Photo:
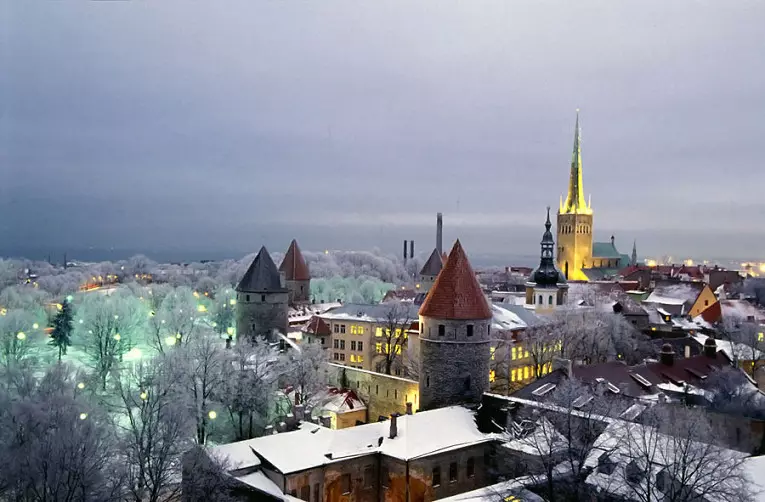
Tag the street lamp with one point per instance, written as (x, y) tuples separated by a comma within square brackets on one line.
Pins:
[(212, 414), (21, 335), (83, 416), (81, 385)]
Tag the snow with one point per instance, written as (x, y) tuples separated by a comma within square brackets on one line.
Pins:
[(261, 482), (663, 300), (418, 435), (504, 320), (235, 456), (544, 440), (755, 469), (741, 309), (742, 351), (341, 366)]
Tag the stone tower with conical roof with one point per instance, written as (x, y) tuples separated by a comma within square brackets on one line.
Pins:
[(296, 275), (575, 220), (546, 288), (261, 300), (455, 337)]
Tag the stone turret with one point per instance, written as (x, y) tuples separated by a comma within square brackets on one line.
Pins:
[(297, 276), (261, 300), (455, 331)]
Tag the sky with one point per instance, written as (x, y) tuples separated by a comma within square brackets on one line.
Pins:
[(209, 128)]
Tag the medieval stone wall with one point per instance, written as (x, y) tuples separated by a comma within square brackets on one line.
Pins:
[(298, 292), (454, 368), (383, 394), (257, 314)]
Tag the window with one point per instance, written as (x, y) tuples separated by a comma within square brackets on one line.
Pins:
[(515, 353), (316, 492), (540, 300), (336, 356), (342, 344), (353, 344), (342, 357), (384, 476), (427, 381), (305, 493), (360, 346), (248, 297), (322, 341), (492, 376), (395, 393), (513, 375), (549, 300), (345, 484), (441, 330), (493, 350), (353, 358), (470, 467), (436, 476), (706, 303), (378, 332), (467, 383), (337, 328), (359, 359), (378, 348), (337, 343), (377, 389), (453, 472), (342, 328), (369, 473), (525, 372), (469, 330), (263, 298)]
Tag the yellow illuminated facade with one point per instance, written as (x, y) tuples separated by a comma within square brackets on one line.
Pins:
[(575, 221)]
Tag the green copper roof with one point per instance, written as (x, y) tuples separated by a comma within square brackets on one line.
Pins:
[(604, 250)]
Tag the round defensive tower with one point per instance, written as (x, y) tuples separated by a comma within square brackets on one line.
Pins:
[(261, 300)]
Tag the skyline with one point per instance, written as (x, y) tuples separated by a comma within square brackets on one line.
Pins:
[(190, 128)]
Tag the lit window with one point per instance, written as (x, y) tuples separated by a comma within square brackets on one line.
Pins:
[(359, 359), (515, 355), (526, 372), (378, 332), (513, 376), (353, 358), (760, 337), (353, 329), (526, 354), (378, 348), (492, 376), (493, 355)]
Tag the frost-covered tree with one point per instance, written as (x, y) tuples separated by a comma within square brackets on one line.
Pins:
[(63, 326), (395, 327), (223, 309), (19, 337), (55, 445), (670, 456), (156, 429), (746, 343), (253, 371), (180, 318), (107, 327), (306, 370), (201, 365)]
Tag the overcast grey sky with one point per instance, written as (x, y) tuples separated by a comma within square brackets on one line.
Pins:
[(218, 126)]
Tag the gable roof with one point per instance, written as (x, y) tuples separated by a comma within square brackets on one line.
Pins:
[(293, 265), (317, 326), (682, 292), (604, 250), (434, 264), (262, 276), (456, 293)]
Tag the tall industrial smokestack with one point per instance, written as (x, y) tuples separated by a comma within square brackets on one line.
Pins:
[(411, 249), (440, 233), (404, 250)]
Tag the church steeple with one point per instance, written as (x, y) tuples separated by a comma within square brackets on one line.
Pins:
[(546, 273), (575, 202), (633, 260)]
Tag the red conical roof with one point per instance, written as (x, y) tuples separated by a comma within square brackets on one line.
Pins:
[(456, 293), (293, 265)]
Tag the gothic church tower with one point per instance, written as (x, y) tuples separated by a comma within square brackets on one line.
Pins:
[(575, 221)]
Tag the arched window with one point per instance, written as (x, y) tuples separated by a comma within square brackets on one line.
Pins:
[(541, 302), (549, 300)]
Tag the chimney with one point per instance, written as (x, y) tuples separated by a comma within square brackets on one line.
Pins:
[(282, 279), (440, 233), (404, 250), (408, 408), (393, 426), (612, 240), (710, 348), (299, 412), (411, 249), (687, 351), (667, 355)]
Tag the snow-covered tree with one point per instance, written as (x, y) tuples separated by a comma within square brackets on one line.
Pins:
[(223, 308), (63, 326), (394, 335), (54, 445), (307, 370), (253, 371), (747, 344), (180, 318), (107, 327), (19, 337), (156, 429)]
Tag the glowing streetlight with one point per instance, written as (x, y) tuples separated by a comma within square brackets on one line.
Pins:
[(117, 337), (21, 335), (81, 321), (232, 301), (35, 326), (116, 316), (230, 330), (144, 395), (212, 414), (81, 385), (69, 298), (83, 416), (170, 340), (178, 336)]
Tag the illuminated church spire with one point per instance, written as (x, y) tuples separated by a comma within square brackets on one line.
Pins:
[(575, 203)]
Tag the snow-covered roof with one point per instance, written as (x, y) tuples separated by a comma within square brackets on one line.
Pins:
[(235, 456), (261, 482), (418, 435), (372, 313), (305, 312), (755, 469), (741, 309), (543, 440), (663, 300), (734, 351), (505, 320)]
